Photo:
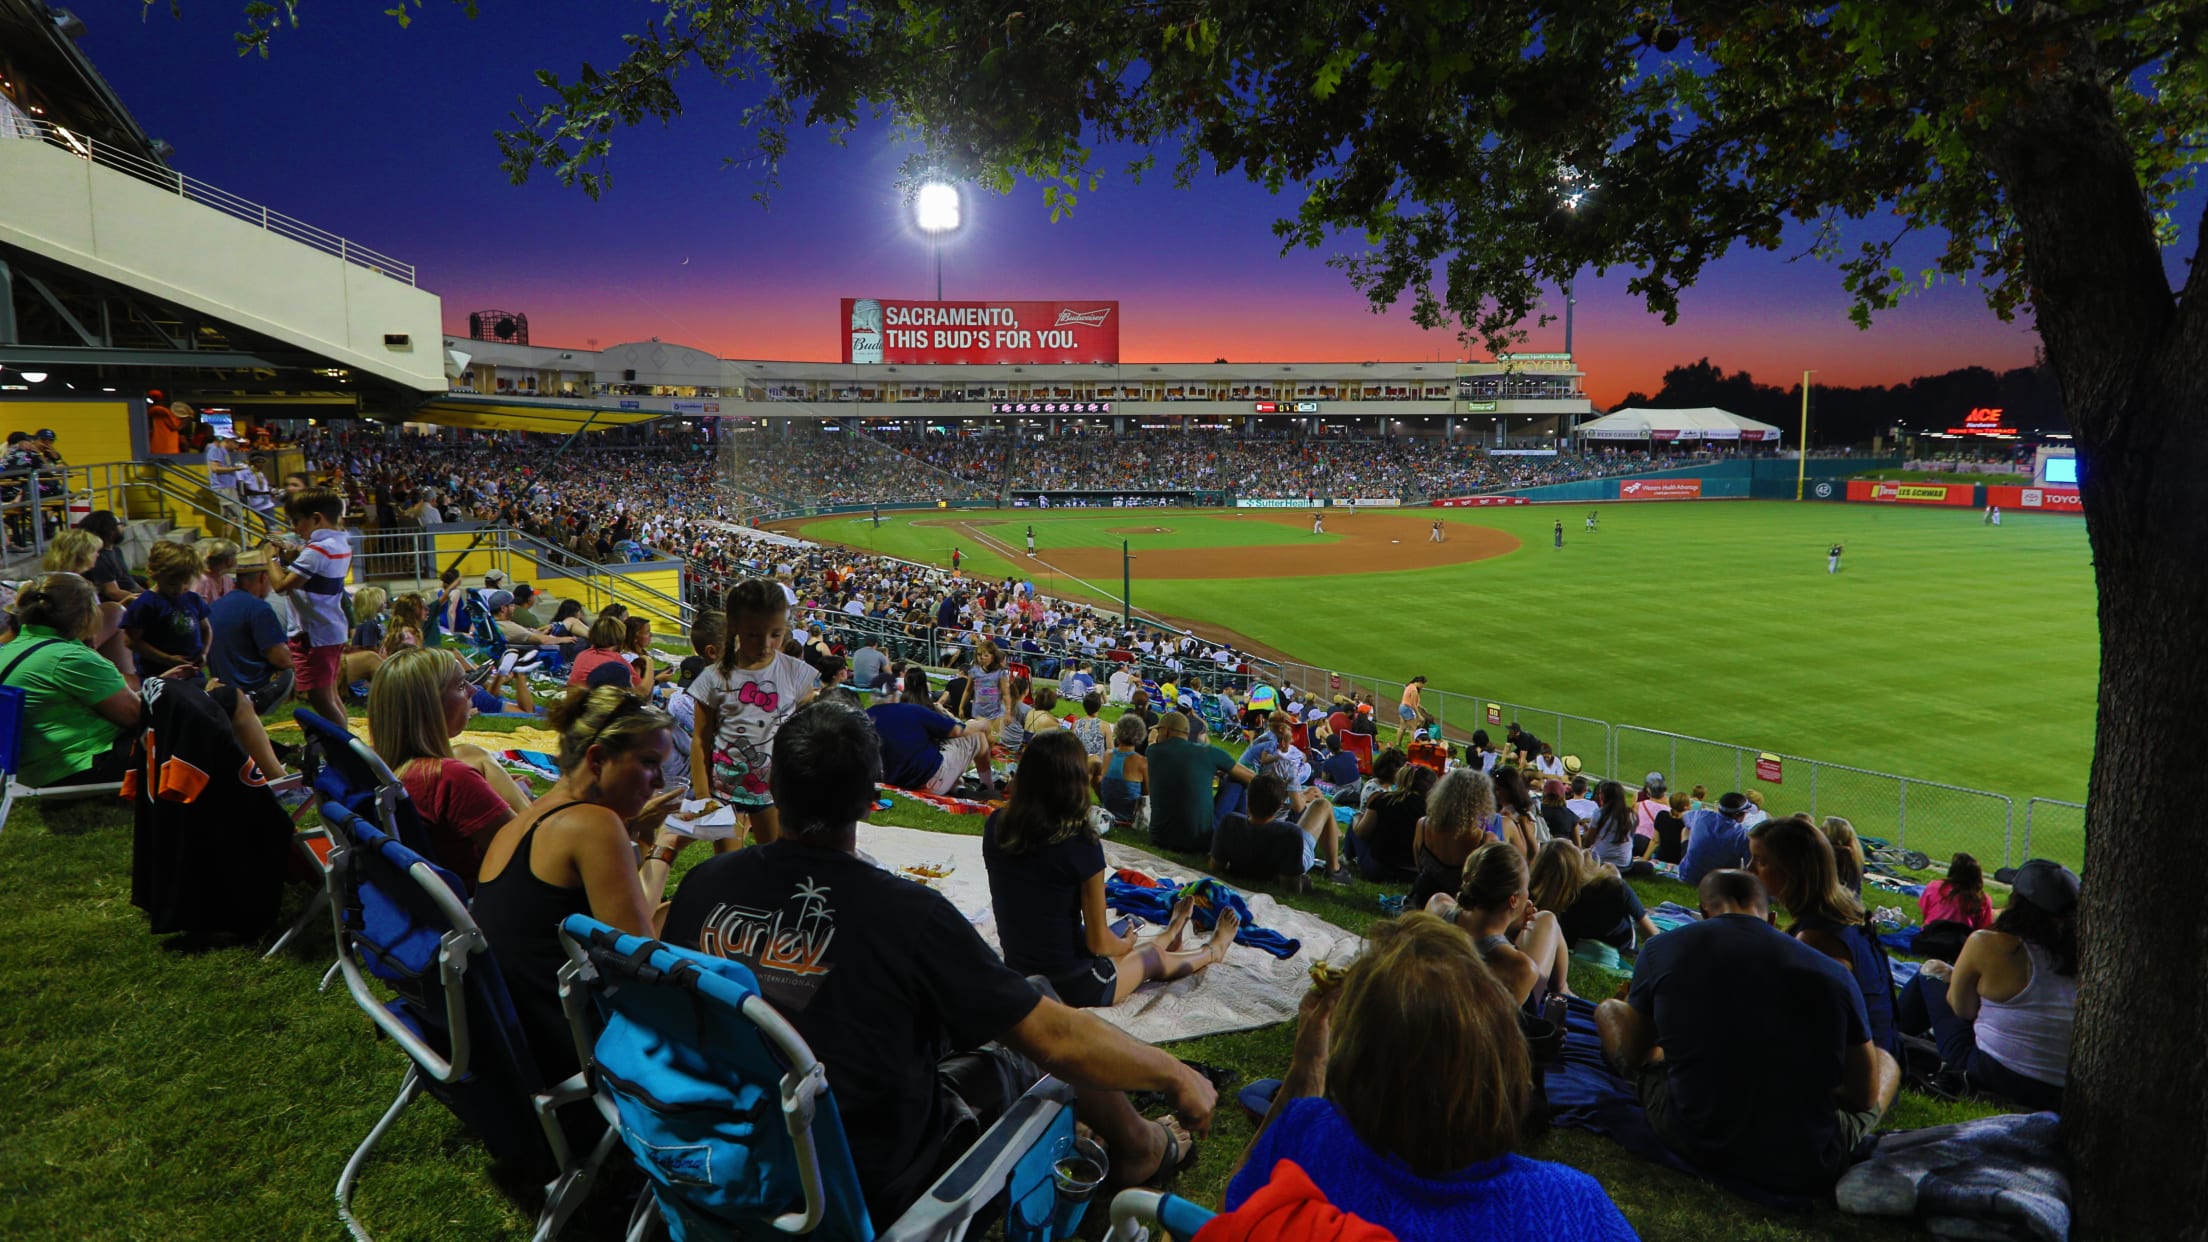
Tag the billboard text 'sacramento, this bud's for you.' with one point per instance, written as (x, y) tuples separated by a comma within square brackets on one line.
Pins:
[(979, 333)]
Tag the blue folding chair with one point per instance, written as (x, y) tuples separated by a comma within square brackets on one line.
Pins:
[(695, 1064), (491, 646), (1135, 1213), (13, 703), (403, 921)]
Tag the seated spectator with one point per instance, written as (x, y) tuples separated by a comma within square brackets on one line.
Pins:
[(1265, 841), (1717, 839), (1756, 813), (1404, 1099), (607, 637), (568, 620), (1523, 945), (925, 1034), (1515, 821), (1182, 765), (1750, 1050), (1046, 885), (249, 649), (1039, 713), (1364, 722), (1126, 772), (1096, 740), (574, 851), (1076, 684), (1337, 776), (1671, 829), (1613, 838), (1139, 705), (2002, 1015), (1547, 763), (1581, 801), (924, 749), (364, 646), (82, 709), (418, 702), (108, 574), (870, 667), (167, 626), (1794, 861), (1482, 754), (76, 551), (1653, 797), (1960, 898), (1123, 684), (218, 559), (1847, 853), (636, 648), (501, 605), (526, 613), (1590, 899), (1557, 817), (1454, 823), (1385, 767)]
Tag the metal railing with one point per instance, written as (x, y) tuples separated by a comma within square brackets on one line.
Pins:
[(193, 189), (2053, 823), (30, 500)]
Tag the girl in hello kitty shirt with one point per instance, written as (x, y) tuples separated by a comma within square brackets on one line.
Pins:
[(743, 699)]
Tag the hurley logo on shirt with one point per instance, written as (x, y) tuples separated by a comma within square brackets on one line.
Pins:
[(786, 950)]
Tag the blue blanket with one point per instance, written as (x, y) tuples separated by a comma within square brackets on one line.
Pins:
[(1155, 905), (1585, 1095), (1996, 1177)]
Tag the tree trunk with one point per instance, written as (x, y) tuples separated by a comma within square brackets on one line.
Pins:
[(2132, 360)]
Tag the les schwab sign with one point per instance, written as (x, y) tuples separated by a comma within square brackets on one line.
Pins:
[(922, 333)]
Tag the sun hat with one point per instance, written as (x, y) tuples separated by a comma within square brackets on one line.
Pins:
[(252, 561), (2047, 885), (1572, 765)]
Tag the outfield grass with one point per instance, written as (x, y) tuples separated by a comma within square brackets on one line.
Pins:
[(162, 1095), (1943, 651)]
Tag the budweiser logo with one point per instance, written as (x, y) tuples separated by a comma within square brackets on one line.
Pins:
[(1087, 319)]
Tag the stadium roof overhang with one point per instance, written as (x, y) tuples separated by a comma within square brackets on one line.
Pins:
[(38, 49), (493, 414)]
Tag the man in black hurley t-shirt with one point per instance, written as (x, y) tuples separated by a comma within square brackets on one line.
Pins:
[(926, 1034)]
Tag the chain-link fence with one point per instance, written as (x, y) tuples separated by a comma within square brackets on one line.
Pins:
[(2054, 829)]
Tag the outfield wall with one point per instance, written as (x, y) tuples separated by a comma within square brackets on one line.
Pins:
[(1759, 478)]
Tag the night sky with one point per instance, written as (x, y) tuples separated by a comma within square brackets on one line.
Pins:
[(384, 136)]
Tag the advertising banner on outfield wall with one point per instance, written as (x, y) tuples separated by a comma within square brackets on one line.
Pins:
[(1115, 500), (895, 331), (1476, 502), (1962, 495), (1272, 504), (1364, 502), (1660, 489), (2037, 499)]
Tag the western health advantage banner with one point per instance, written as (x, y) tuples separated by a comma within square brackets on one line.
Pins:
[(1660, 489), (888, 330)]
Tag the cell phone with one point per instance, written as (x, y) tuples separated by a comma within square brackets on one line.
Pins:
[(1125, 925)]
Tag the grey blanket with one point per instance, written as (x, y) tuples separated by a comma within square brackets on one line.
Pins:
[(1997, 1177)]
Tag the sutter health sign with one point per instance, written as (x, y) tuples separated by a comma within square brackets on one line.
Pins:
[(919, 333)]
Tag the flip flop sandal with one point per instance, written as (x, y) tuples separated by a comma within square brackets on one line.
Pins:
[(1257, 1098)]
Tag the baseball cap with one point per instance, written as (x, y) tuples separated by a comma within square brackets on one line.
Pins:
[(1655, 782), (252, 561), (494, 577), (44, 433), (2049, 886), (1734, 805), (1364, 709), (611, 673), (498, 599)]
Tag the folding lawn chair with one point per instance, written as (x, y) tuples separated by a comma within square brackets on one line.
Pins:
[(1360, 745), (403, 920), (1136, 1214), (342, 769), (12, 706), (691, 1058)]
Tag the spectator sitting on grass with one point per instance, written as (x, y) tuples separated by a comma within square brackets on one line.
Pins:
[(1960, 898), (1611, 837), (418, 702), (1847, 853), (1385, 767), (1750, 1050), (1265, 840), (2002, 1015), (1182, 769), (1046, 886), (1096, 742), (1424, 1155), (1559, 819), (1122, 685), (1516, 822), (76, 551), (606, 638), (1716, 839), (1590, 899), (1459, 811), (167, 626), (1337, 776), (1794, 861), (969, 1033), (249, 650), (1523, 945), (924, 749), (1120, 784), (1671, 829)]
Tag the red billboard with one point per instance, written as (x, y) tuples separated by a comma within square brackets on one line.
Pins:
[(922, 333), (1660, 489), (2037, 499), (1476, 502), (1961, 494)]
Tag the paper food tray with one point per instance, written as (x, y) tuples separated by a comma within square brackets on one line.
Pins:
[(719, 826)]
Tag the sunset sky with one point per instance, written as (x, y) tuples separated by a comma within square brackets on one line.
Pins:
[(384, 136)]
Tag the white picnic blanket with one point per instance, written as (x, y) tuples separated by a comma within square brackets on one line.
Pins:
[(1248, 989)]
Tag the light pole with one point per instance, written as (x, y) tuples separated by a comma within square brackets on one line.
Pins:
[(1126, 587), (1801, 450), (938, 211)]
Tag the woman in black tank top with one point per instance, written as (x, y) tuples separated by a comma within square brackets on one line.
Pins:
[(584, 860)]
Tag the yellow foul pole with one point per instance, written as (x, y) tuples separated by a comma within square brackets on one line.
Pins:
[(1801, 448)]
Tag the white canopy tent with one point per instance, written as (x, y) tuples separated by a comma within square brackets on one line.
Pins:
[(1708, 423)]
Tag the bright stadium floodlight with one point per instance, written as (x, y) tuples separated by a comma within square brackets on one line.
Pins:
[(937, 211)]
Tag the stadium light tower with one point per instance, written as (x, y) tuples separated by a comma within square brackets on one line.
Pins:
[(938, 211), (1572, 189)]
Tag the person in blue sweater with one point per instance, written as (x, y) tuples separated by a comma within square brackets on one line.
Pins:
[(1426, 1156)]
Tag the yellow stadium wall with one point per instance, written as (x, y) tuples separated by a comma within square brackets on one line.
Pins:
[(633, 587), (87, 430)]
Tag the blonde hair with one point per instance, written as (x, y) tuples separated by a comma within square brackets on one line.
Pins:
[(1562, 872), (1847, 850), (406, 705), (408, 614), (608, 632), (369, 601), (607, 716), (1421, 996), (1460, 803), (172, 565), (213, 550), (71, 552), (62, 602)]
